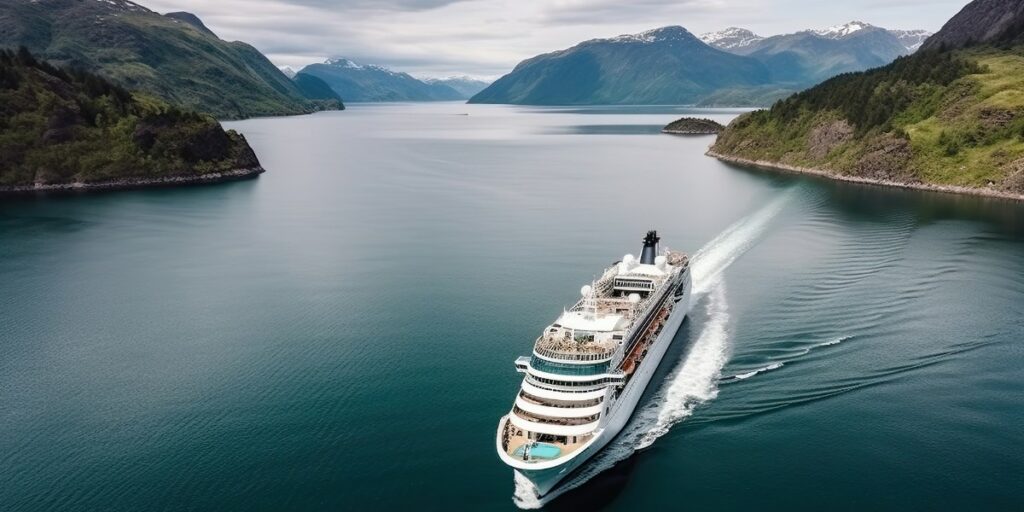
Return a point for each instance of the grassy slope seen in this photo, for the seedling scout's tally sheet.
(968, 132)
(58, 127)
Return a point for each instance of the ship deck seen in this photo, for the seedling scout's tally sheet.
(515, 442)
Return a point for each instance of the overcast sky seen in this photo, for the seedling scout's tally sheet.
(486, 38)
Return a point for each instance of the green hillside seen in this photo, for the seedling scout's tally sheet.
(173, 57)
(947, 118)
(61, 127)
(952, 114)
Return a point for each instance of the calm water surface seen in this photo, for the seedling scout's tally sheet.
(339, 334)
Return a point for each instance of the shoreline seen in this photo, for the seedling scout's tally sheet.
(947, 189)
(687, 132)
(131, 183)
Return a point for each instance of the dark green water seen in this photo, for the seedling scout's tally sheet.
(339, 334)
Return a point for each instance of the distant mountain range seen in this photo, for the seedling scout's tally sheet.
(367, 83)
(174, 57)
(733, 67)
(464, 85)
(950, 116)
(810, 56)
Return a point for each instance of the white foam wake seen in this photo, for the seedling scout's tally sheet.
(716, 256)
(525, 496)
(693, 380)
(833, 342)
(747, 375)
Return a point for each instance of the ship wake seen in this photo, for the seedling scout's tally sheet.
(693, 381)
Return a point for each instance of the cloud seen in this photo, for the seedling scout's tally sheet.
(612, 11)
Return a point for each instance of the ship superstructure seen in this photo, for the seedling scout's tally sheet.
(590, 367)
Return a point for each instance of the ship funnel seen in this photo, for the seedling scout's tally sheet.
(650, 248)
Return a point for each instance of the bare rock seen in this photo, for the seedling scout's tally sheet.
(886, 158)
(826, 137)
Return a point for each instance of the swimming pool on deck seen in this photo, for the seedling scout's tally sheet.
(538, 451)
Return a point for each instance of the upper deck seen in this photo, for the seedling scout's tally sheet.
(593, 328)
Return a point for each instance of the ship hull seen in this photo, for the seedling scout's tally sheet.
(545, 480)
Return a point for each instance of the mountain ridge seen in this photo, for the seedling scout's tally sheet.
(672, 65)
(355, 82)
(174, 57)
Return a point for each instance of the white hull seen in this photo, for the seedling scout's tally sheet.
(622, 410)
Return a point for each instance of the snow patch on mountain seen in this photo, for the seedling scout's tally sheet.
(841, 31)
(911, 39)
(670, 33)
(730, 38)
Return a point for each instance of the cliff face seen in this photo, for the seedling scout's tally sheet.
(63, 129)
(981, 22)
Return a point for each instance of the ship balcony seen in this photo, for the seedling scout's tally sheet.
(536, 407)
(522, 364)
(551, 394)
(556, 426)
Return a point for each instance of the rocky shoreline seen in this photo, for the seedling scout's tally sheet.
(949, 189)
(127, 183)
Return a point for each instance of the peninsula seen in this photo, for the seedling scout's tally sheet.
(63, 130)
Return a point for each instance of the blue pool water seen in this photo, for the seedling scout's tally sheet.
(540, 451)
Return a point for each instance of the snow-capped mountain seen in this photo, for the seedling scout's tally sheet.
(844, 30)
(911, 39)
(730, 38)
(810, 56)
(743, 41)
(287, 70)
(658, 35)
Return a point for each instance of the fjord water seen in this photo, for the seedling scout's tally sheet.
(339, 334)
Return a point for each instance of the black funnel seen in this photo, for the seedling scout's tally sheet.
(650, 248)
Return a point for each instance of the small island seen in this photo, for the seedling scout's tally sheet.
(693, 126)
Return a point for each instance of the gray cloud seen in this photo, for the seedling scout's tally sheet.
(488, 38)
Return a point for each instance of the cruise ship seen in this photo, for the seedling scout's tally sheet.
(589, 368)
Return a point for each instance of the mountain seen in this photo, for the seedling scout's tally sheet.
(315, 88)
(63, 129)
(288, 71)
(982, 21)
(811, 56)
(911, 39)
(174, 57)
(663, 66)
(730, 38)
(464, 85)
(950, 116)
(365, 83)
